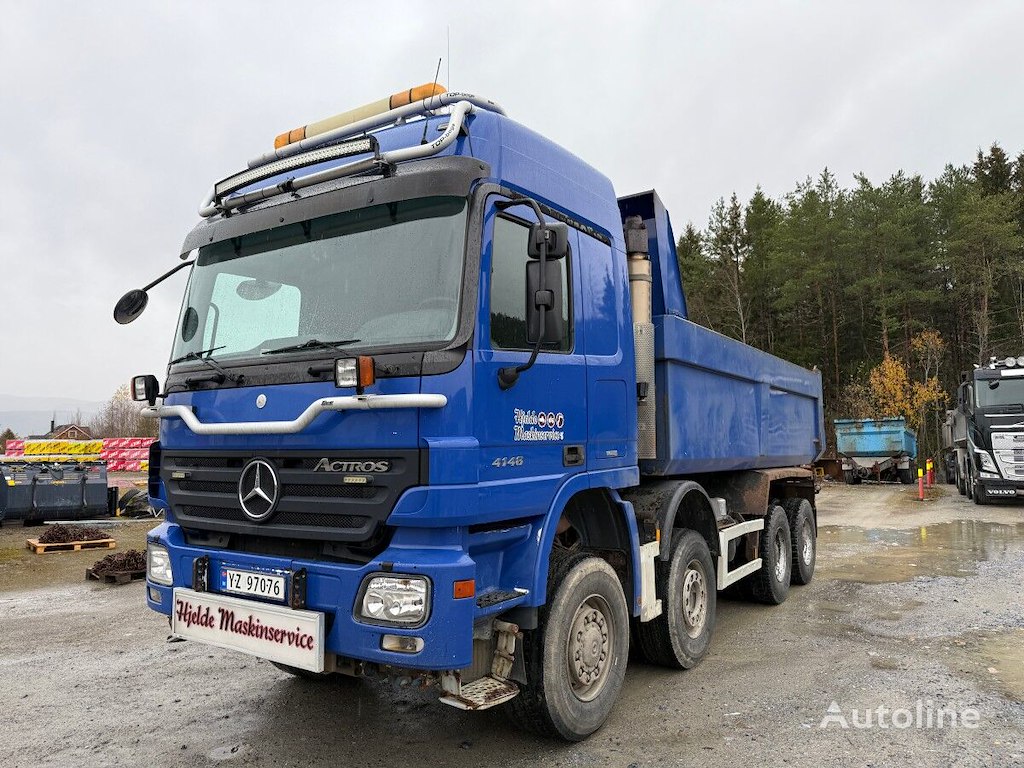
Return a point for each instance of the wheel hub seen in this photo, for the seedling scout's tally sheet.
(781, 556)
(808, 548)
(695, 599)
(589, 648)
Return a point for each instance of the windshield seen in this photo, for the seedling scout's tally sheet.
(388, 275)
(999, 393)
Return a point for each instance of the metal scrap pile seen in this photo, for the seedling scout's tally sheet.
(61, 534)
(120, 562)
(134, 503)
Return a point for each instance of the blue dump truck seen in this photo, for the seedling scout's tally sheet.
(435, 410)
(880, 449)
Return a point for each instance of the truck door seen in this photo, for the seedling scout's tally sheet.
(532, 435)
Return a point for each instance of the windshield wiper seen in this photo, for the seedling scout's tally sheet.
(196, 355)
(311, 344)
(209, 362)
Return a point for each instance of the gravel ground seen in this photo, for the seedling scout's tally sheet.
(913, 602)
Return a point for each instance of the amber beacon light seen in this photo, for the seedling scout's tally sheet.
(394, 101)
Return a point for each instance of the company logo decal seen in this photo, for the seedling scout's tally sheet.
(258, 489)
(537, 426)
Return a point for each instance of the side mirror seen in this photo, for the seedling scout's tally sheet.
(555, 234)
(130, 306)
(550, 297)
(145, 389)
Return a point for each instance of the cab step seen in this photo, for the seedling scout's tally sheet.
(484, 693)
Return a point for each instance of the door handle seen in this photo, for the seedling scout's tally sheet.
(572, 455)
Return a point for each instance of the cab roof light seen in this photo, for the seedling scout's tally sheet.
(323, 154)
(460, 105)
(394, 101)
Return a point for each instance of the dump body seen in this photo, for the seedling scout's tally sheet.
(722, 405)
(882, 448)
(862, 438)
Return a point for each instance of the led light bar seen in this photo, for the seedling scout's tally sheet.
(334, 152)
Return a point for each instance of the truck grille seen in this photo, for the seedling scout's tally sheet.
(202, 490)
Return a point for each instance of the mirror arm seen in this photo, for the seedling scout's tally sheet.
(507, 377)
(165, 275)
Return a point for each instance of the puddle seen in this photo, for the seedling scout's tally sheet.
(1004, 656)
(877, 556)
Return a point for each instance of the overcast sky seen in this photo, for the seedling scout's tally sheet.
(117, 117)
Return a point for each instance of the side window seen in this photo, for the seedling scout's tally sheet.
(508, 289)
(259, 312)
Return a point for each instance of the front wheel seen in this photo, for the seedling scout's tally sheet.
(680, 636)
(576, 658)
(978, 493)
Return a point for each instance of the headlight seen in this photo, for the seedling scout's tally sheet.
(399, 600)
(158, 565)
(986, 461)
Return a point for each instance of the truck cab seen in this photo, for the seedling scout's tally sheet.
(987, 431)
(434, 409)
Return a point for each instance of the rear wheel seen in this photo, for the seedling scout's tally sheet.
(805, 542)
(576, 658)
(848, 476)
(906, 476)
(960, 485)
(680, 636)
(770, 584)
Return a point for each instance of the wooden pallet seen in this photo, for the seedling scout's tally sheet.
(69, 546)
(116, 577)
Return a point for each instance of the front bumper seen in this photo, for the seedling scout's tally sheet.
(333, 589)
(999, 488)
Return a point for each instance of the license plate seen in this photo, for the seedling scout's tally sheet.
(265, 584)
(271, 632)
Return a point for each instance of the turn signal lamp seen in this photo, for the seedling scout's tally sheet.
(355, 372)
(394, 101)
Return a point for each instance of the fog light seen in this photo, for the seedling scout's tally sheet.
(401, 644)
(345, 373)
(398, 600)
(158, 565)
(154, 595)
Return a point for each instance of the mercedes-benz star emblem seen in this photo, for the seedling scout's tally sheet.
(258, 489)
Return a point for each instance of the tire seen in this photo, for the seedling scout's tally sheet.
(557, 701)
(680, 637)
(848, 477)
(770, 584)
(960, 485)
(906, 476)
(800, 516)
(978, 494)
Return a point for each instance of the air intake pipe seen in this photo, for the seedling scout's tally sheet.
(639, 262)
